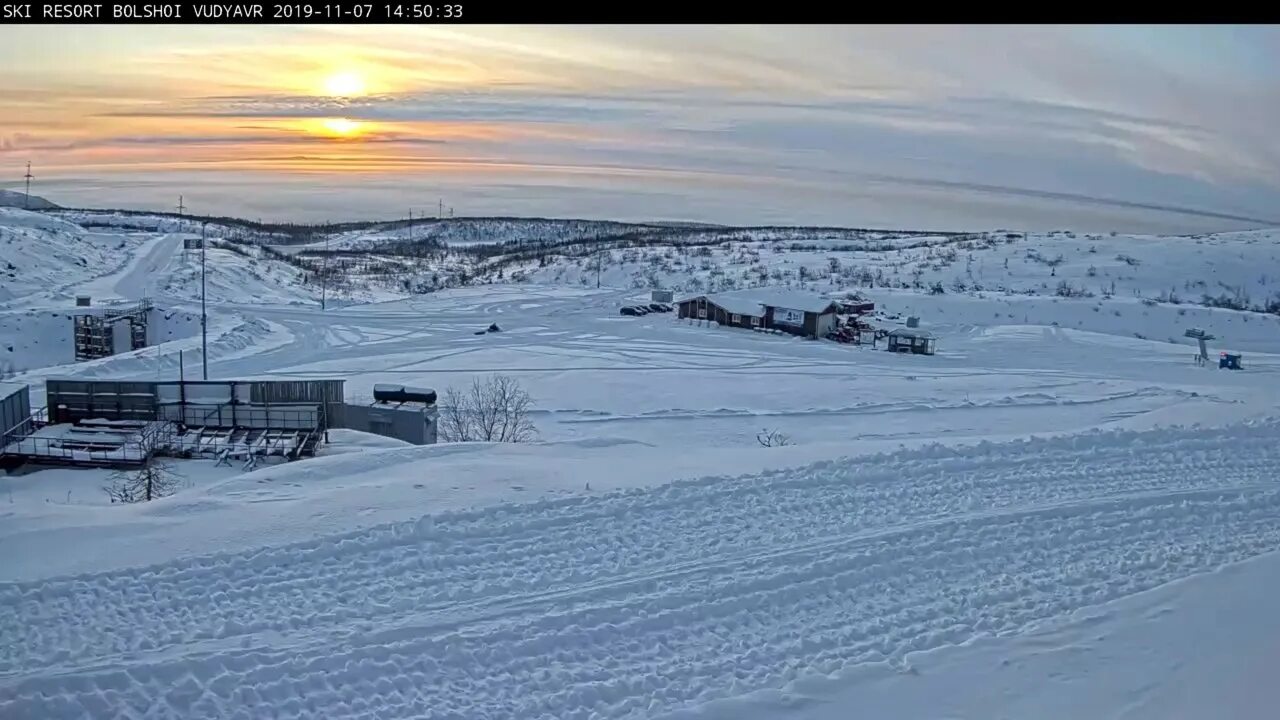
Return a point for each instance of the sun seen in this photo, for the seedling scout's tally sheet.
(341, 127)
(344, 84)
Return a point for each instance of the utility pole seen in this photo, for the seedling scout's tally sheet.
(324, 271)
(26, 203)
(450, 212)
(598, 264)
(204, 318)
(410, 225)
(440, 212)
(181, 207)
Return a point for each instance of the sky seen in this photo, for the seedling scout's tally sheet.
(1136, 129)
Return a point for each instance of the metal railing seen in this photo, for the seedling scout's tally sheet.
(133, 449)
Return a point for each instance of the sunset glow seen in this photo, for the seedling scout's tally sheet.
(341, 127)
(345, 84)
(891, 126)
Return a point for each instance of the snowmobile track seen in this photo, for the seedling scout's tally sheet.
(635, 603)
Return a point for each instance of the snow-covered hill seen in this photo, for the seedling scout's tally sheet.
(1021, 505)
(15, 199)
(39, 253)
(1178, 269)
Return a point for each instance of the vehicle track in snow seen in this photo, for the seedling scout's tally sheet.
(640, 602)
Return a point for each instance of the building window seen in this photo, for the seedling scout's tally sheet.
(755, 322)
(735, 318)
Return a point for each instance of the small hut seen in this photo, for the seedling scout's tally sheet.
(913, 340)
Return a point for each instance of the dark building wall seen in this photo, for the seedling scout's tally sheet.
(809, 328)
(413, 425)
(15, 412)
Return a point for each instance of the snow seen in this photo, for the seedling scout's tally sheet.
(1059, 515)
(643, 601)
(15, 199)
(1135, 659)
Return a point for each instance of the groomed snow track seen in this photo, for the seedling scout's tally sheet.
(636, 603)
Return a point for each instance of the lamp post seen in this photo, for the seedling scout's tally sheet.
(204, 319)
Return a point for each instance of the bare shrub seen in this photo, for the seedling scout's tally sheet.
(156, 479)
(495, 409)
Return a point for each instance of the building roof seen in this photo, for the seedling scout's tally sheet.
(912, 333)
(754, 300)
(7, 389)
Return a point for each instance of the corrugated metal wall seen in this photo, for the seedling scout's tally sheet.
(15, 412)
(328, 392)
(72, 400)
(411, 425)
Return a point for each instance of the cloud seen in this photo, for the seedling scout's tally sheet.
(1175, 122)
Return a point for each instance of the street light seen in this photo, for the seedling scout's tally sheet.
(204, 319)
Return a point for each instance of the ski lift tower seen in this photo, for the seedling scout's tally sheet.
(1202, 337)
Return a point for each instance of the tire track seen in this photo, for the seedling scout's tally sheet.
(641, 602)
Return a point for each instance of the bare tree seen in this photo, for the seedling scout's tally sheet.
(772, 438)
(156, 479)
(495, 409)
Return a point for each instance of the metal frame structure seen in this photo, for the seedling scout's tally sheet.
(95, 330)
(96, 443)
(122, 423)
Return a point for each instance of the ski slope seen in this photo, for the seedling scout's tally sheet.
(643, 602)
(940, 535)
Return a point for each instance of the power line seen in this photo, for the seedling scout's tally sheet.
(26, 202)
(204, 319)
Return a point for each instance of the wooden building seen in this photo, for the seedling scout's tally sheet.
(798, 313)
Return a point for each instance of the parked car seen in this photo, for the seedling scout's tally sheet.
(629, 311)
(640, 309)
(659, 307)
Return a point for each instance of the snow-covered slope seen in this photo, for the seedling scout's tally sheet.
(39, 252)
(1002, 512)
(635, 603)
(1179, 268)
(16, 199)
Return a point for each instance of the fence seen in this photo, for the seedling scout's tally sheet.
(274, 417)
(218, 402)
(102, 444)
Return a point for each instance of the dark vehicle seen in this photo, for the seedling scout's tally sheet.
(629, 311)
(658, 307)
(640, 309)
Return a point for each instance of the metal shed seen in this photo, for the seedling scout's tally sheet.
(919, 342)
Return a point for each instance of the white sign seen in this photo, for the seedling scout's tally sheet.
(787, 316)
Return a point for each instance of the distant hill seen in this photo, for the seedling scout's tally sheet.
(13, 198)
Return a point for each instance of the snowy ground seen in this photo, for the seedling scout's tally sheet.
(1044, 520)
